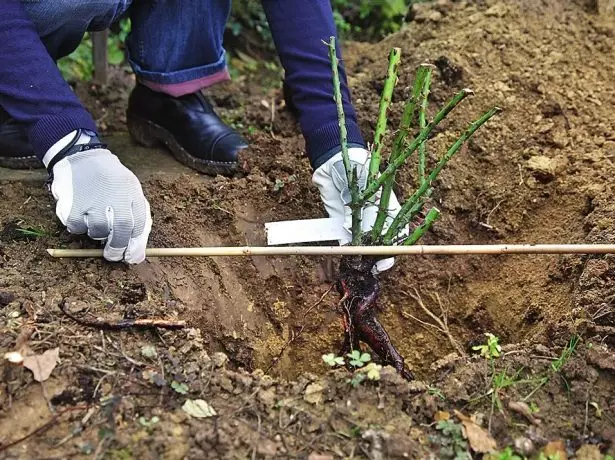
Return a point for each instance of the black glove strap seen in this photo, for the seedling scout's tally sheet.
(71, 149)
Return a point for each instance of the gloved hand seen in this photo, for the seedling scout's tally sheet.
(96, 194)
(330, 178)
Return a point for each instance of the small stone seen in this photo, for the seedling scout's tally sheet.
(6, 298)
(416, 386)
(445, 364)
(589, 452)
(313, 393)
(605, 6)
(267, 448)
(501, 86)
(319, 456)
(397, 446)
(219, 359)
(543, 168)
(523, 409)
(267, 397)
(244, 380)
(226, 384)
(542, 349)
(498, 10)
(524, 446)
(601, 358)
(266, 381)
(554, 449)
(423, 12)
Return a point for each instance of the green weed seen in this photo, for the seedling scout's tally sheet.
(556, 366)
(434, 391)
(333, 360)
(358, 359)
(506, 454)
(491, 349)
(31, 232)
(451, 441)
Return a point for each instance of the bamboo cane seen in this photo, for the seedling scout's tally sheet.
(461, 249)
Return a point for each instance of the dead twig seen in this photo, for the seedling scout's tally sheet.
(128, 358)
(294, 336)
(79, 427)
(41, 429)
(441, 324)
(121, 324)
(28, 328)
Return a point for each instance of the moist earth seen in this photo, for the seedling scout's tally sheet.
(541, 171)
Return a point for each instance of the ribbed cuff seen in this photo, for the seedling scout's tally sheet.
(323, 143)
(51, 128)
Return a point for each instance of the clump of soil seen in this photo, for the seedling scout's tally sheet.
(542, 171)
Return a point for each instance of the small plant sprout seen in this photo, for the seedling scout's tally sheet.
(178, 387)
(369, 182)
(491, 349)
(534, 407)
(556, 366)
(358, 359)
(555, 456)
(451, 441)
(435, 391)
(357, 379)
(144, 422)
(31, 232)
(506, 454)
(369, 372)
(372, 371)
(333, 360)
(568, 351)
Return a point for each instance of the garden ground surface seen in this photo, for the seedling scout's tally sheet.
(541, 171)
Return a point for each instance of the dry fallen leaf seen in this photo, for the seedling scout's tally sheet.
(523, 409)
(441, 415)
(198, 408)
(555, 449)
(42, 365)
(480, 440)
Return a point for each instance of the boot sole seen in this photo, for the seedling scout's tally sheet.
(27, 162)
(150, 134)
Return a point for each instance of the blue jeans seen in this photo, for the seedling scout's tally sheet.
(171, 41)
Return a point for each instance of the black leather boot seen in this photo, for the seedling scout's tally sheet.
(187, 126)
(15, 149)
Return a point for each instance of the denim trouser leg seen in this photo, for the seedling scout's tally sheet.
(61, 24)
(176, 46)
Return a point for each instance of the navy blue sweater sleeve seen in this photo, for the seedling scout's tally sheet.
(298, 28)
(32, 89)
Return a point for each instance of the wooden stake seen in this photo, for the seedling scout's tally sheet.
(462, 249)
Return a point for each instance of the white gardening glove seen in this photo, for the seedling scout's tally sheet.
(96, 194)
(330, 178)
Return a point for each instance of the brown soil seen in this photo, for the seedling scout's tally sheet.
(540, 172)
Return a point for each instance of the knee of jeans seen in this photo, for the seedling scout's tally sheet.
(51, 16)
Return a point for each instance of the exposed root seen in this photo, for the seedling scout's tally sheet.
(41, 429)
(294, 336)
(441, 323)
(359, 290)
(121, 324)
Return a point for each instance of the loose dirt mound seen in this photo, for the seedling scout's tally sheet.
(540, 172)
